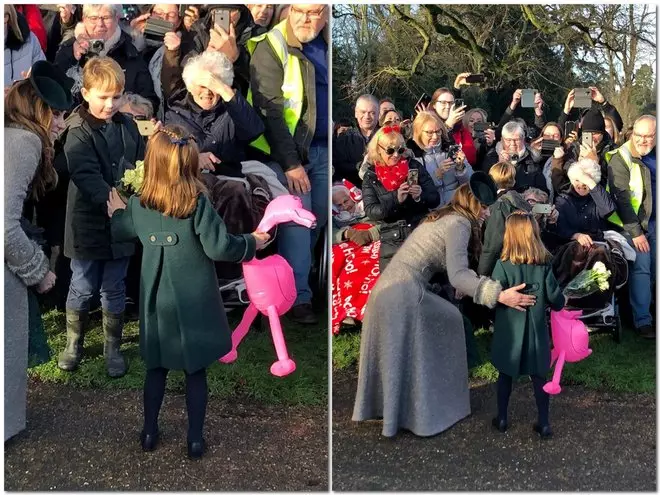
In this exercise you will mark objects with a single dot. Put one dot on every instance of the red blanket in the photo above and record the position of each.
(355, 270)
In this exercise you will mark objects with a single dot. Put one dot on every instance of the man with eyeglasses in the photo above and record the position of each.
(102, 36)
(294, 106)
(630, 182)
(348, 151)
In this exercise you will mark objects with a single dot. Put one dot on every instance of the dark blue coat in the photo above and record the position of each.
(583, 214)
(225, 130)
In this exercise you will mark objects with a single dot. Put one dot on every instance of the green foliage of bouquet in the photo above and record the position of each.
(131, 182)
(589, 282)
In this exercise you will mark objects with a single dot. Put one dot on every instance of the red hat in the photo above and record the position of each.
(353, 191)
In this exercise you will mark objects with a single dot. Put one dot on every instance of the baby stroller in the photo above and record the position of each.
(600, 311)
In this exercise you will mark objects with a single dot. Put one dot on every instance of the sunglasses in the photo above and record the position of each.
(391, 151)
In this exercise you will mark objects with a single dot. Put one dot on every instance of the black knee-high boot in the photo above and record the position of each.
(154, 391)
(196, 399)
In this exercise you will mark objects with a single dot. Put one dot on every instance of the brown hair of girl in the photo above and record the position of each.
(522, 241)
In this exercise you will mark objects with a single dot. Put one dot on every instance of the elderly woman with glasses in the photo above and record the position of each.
(447, 172)
(101, 35)
(395, 188)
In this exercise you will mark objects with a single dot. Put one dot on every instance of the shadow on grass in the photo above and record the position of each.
(248, 377)
(625, 367)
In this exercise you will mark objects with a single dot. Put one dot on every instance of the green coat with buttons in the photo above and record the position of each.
(521, 341)
(183, 324)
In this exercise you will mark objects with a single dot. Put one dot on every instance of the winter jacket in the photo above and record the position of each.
(136, 71)
(529, 172)
(225, 130)
(266, 76)
(95, 166)
(462, 136)
(491, 251)
(35, 22)
(347, 155)
(20, 55)
(383, 206)
(635, 224)
(583, 214)
(431, 160)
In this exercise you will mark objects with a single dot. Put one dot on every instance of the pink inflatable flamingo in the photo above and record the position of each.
(270, 284)
(570, 339)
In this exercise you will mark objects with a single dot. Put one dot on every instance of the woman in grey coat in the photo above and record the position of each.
(32, 120)
(413, 365)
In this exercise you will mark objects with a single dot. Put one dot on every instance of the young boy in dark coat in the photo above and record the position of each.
(521, 342)
(100, 145)
(183, 325)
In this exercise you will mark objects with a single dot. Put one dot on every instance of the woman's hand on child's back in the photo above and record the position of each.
(115, 202)
(514, 299)
(262, 238)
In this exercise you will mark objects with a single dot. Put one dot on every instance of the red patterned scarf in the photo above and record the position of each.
(392, 177)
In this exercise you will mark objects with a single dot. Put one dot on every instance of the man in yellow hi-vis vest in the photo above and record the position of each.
(630, 184)
(289, 89)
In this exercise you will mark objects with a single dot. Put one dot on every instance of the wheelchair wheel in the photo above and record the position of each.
(618, 329)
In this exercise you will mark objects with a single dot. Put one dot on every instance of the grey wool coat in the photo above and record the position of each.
(413, 370)
(25, 265)
(183, 325)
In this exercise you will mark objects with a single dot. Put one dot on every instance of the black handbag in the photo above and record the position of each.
(392, 236)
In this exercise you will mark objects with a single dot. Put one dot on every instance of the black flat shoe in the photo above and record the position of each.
(500, 424)
(544, 431)
(196, 449)
(149, 441)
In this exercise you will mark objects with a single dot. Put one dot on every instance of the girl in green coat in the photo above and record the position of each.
(183, 325)
(521, 342)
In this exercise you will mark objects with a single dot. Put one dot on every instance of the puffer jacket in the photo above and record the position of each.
(20, 55)
(583, 214)
(382, 206)
(431, 159)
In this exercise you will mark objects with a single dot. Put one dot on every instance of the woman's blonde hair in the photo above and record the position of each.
(385, 140)
(25, 109)
(469, 113)
(104, 74)
(421, 120)
(504, 175)
(13, 22)
(171, 173)
(522, 241)
(465, 204)
(616, 139)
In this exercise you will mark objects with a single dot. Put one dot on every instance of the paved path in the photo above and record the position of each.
(602, 442)
(89, 439)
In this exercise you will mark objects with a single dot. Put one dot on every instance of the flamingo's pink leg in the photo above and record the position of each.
(240, 332)
(283, 366)
(553, 386)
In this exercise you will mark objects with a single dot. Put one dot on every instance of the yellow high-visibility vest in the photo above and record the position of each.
(292, 84)
(636, 183)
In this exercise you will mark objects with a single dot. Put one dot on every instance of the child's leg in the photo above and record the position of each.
(542, 400)
(504, 385)
(113, 301)
(154, 391)
(85, 278)
(196, 398)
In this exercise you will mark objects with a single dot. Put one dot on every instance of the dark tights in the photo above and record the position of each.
(196, 399)
(504, 385)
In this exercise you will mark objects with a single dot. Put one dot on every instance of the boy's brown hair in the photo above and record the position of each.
(522, 241)
(103, 74)
(171, 173)
(504, 175)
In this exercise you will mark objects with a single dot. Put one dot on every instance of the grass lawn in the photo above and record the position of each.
(625, 367)
(248, 377)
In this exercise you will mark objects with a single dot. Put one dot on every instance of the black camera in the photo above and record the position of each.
(453, 150)
(514, 158)
(155, 29)
(96, 46)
